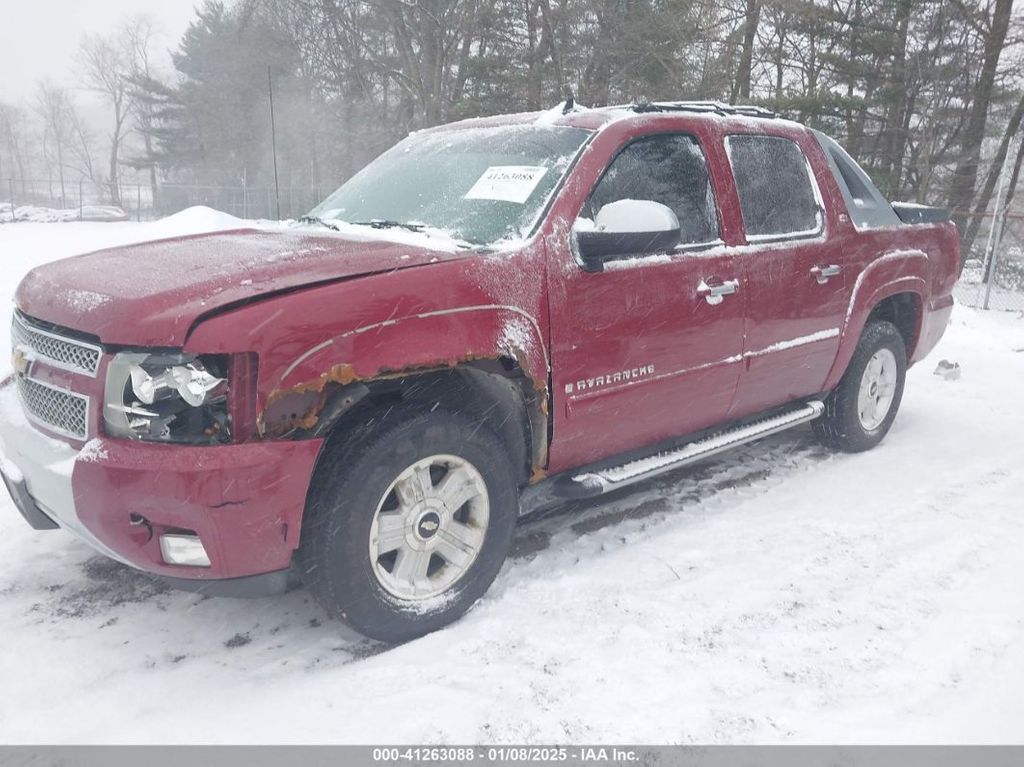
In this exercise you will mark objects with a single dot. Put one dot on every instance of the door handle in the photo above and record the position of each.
(714, 294)
(823, 273)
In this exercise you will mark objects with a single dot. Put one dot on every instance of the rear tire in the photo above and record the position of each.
(408, 523)
(861, 410)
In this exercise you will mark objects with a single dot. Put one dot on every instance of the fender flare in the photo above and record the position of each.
(892, 273)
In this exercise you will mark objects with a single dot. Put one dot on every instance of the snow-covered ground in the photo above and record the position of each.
(778, 594)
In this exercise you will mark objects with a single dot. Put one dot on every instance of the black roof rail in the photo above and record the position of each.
(703, 107)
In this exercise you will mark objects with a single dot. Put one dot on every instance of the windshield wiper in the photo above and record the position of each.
(320, 221)
(378, 223)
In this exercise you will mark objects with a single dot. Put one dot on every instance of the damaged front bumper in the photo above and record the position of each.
(23, 500)
(244, 502)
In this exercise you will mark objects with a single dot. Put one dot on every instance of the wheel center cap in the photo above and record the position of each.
(874, 388)
(427, 525)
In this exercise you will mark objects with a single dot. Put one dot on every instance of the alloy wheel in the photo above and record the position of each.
(877, 389)
(429, 527)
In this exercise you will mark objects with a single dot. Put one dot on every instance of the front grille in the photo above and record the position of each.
(57, 350)
(56, 409)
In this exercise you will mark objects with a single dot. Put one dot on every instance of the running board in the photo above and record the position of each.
(596, 482)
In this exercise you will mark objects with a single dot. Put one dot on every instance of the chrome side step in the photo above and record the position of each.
(600, 481)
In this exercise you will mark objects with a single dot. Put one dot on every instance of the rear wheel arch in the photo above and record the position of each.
(899, 301)
(904, 310)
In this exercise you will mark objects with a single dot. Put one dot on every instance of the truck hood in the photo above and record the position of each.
(151, 293)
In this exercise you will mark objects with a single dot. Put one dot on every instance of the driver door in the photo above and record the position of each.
(641, 351)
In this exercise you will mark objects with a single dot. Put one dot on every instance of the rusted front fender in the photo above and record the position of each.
(433, 317)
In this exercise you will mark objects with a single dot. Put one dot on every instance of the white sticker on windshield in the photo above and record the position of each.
(511, 183)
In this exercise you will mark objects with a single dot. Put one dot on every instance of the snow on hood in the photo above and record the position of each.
(198, 219)
(150, 294)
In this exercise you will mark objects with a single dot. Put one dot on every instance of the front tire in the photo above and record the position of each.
(407, 525)
(861, 410)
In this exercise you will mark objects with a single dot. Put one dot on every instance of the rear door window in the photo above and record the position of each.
(777, 195)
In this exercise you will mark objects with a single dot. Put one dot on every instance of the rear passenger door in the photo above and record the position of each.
(796, 286)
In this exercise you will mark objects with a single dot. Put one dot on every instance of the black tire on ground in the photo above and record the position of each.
(841, 427)
(353, 474)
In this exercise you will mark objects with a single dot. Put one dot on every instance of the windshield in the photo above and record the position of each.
(479, 185)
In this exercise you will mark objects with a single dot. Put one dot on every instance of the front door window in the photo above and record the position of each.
(668, 169)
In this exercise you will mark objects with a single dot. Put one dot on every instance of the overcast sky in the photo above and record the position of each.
(39, 38)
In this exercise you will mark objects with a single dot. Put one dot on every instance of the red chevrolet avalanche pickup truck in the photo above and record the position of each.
(493, 316)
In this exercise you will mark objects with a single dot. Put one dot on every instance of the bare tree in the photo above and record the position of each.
(752, 17)
(81, 145)
(13, 141)
(139, 34)
(995, 170)
(53, 105)
(965, 175)
(106, 69)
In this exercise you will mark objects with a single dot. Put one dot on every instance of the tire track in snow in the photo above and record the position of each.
(581, 530)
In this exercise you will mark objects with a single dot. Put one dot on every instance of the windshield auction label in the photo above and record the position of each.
(511, 183)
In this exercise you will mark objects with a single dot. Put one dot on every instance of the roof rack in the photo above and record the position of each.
(704, 107)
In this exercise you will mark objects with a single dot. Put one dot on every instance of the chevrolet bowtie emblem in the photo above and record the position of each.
(429, 525)
(20, 360)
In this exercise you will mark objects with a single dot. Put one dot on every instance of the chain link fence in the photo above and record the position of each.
(49, 200)
(993, 274)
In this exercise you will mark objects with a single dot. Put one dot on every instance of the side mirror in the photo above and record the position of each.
(627, 228)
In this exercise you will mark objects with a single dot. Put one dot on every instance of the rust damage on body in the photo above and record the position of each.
(299, 407)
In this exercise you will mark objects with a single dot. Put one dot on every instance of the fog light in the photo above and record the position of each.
(184, 550)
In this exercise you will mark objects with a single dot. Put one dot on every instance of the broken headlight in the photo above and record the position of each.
(167, 397)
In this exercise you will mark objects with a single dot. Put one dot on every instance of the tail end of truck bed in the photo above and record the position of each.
(912, 213)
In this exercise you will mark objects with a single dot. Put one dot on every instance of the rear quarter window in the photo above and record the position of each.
(867, 207)
(773, 180)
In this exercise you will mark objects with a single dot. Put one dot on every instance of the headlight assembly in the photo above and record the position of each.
(166, 397)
